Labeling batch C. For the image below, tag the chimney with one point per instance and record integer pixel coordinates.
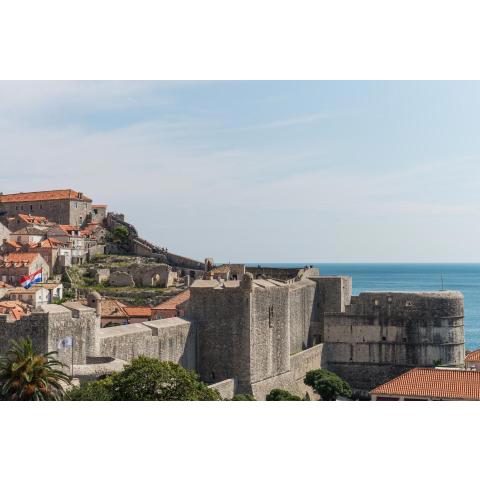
(80, 195)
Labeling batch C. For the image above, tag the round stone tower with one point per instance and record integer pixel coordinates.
(94, 300)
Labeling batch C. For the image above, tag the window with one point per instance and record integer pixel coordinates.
(270, 317)
(384, 339)
(31, 207)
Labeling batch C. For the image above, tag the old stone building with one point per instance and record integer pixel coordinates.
(4, 233)
(21, 220)
(140, 275)
(14, 266)
(66, 207)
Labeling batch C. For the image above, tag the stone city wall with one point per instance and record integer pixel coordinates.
(225, 388)
(270, 332)
(223, 331)
(170, 339)
(382, 334)
(302, 312)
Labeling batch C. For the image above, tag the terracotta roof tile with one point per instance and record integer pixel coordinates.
(17, 257)
(43, 196)
(174, 302)
(433, 383)
(473, 356)
(138, 311)
(33, 219)
(113, 308)
(15, 308)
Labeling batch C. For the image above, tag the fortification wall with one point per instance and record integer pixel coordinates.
(382, 334)
(47, 327)
(34, 327)
(223, 331)
(292, 381)
(285, 274)
(170, 339)
(270, 332)
(302, 312)
(225, 388)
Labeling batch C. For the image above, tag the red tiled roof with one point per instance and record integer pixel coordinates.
(174, 302)
(43, 196)
(32, 219)
(433, 383)
(16, 257)
(138, 311)
(69, 228)
(15, 308)
(473, 356)
(47, 243)
(113, 308)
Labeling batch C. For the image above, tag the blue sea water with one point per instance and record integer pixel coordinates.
(464, 277)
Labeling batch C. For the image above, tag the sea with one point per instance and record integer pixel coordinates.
(400, 277)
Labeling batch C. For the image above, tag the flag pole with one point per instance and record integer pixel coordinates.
(73, 340)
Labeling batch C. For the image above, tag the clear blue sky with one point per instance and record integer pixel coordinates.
(261, 171)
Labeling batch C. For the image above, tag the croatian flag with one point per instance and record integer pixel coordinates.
(28, 280)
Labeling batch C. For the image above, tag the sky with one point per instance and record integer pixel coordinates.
(266, 171)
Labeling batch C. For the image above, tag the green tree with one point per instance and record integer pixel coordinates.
(28, 375)
(99, 390)
(278, 394)
(120, 233)
(242, 397)
(147, 379)
(327, 384)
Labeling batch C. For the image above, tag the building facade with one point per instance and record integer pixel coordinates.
(66, 207)
(14, 266)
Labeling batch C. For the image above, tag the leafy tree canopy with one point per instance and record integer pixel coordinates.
(148, 379)
(278, 394)
(327, 384)
(99, 390)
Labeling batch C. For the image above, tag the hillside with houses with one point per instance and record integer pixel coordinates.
(58, 245)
